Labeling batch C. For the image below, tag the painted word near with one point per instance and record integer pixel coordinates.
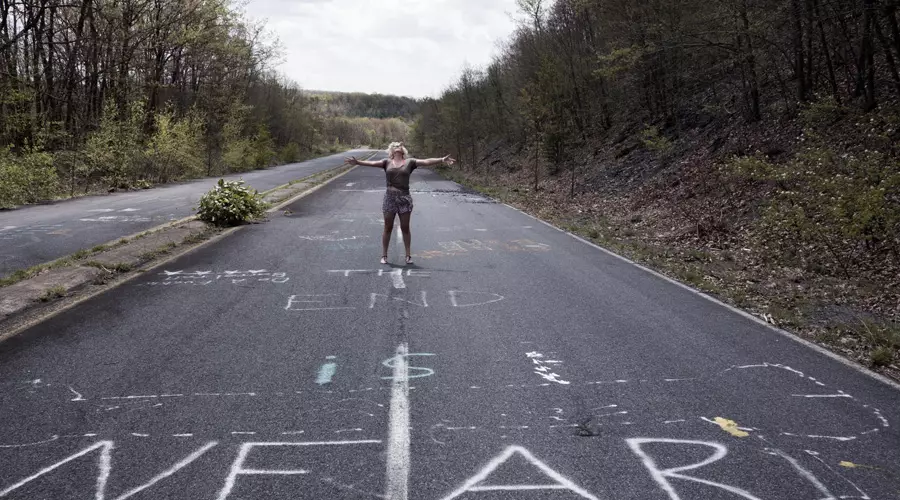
(243, 468)
(463, 247)
(205, 278)
(674, 468)
(335, 302)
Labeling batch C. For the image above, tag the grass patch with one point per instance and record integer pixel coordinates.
(882, 356)
(53, 293)
(80, 254)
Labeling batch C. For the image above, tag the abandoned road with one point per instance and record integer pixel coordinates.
(511, 361)
(36, 234)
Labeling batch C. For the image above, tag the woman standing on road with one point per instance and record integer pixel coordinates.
(397, 200)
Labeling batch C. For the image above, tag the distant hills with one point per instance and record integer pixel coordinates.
(361, 105)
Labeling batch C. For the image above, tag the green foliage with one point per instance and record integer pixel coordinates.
(290, 153)
(175, 150)
(831, 211)
(55, 292)
(263, 148)
(822, 113)
(114, 153)
(882, 356)
(237, 154)
(27, 178)
(654, 141)
(751, 167)
(230, 203)
(620, 60)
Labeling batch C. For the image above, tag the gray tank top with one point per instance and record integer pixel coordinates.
(398, 177)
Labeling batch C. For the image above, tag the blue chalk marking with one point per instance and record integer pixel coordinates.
(326, 372)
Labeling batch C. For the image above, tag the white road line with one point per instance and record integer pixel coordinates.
(398, 431)
(815, 347)
(397, 278)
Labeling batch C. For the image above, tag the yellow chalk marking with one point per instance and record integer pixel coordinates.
(731, 427)
(851, 465)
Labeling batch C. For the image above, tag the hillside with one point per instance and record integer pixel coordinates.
(361, 105)
(737, 148)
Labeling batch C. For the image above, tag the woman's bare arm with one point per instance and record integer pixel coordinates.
(434, 161)
(353, 161)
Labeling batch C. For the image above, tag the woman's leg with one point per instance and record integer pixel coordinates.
(388, 229)
(404, 226)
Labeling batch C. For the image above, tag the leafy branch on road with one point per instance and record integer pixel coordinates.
(230, 203)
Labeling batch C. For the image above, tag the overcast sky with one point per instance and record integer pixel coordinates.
(403, 47)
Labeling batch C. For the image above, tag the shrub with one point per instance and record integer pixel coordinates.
(27, 178)
(290, 153)
(655, 142)
(751, 167)
(822, 113)
(175, 151)
(114, 153)
(230, 203)
(834, 212)
(238, 148)
(263, 148)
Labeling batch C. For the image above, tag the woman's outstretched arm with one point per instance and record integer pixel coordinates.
(353, 161)
(434, 161)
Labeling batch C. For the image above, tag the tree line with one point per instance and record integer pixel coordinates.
(98, 94)
(582, 84)
(360, 105)
(581, 69)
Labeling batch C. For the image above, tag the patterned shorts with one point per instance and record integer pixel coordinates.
(396, 202)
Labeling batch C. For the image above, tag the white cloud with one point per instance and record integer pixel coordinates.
(403, 47)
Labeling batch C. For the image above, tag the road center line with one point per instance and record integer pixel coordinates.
(398, 430)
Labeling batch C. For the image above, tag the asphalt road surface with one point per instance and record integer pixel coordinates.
(512, 361)
(40, 233)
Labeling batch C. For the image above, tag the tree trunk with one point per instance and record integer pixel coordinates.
(70, 67)
(797, 37)
(832, 80)
(750, 62)
(888, 56)
(867, 56)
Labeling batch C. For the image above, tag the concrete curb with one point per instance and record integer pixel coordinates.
(151, 247)
(309, 191)
(59, 282)
(64, 261)
(18, 327)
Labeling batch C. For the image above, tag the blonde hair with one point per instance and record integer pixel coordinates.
(396, 146)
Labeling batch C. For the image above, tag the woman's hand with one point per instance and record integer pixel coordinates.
(352, 160)
(448, 160)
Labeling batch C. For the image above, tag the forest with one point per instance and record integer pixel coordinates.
(747, 147)
(113, 94)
